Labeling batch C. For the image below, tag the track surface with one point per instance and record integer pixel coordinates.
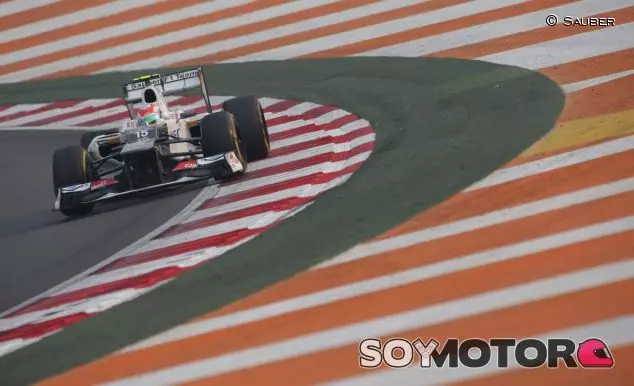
(41, 248)
(313, 149)
(546, 238)
(419, 162)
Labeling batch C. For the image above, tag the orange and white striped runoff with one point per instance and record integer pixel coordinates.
(541, 247)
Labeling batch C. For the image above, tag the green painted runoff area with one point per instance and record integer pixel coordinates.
(441, 125)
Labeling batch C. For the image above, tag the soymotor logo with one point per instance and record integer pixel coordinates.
(475, 353)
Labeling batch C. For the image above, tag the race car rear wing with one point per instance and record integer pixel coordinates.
(168, 84)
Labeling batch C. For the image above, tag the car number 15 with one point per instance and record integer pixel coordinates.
(142, 134)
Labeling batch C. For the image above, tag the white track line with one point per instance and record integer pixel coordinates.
(260, 220)
(181, 260)
(302, 191)
(385, 282)
(42, 26)
(307, 190)
(288, 126)
(266, 35)
(160, 40)
(20, 108)
(327, 167)
(301, 108)
(16, 344)
(189, 259)
(330, 41)
(492, 30)
(572, 87)
(256, 221)
(25, 120)
(500, 216)
(205, 194)
(348, 128)
(569, 49)
(377, 30)
(119, 110)
(264, 101)
(616, 332)
(16, 6)
(417, 318)
(89, 305)
(312, 152)
(555, 162)
(35, 116)
(80, 119)
(120, 29)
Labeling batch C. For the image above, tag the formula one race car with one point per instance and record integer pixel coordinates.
(157, 147)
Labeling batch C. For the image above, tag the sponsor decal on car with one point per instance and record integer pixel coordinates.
(210, 160)
(234, 162)
(186, 165)
(76, 188)
(94, 185)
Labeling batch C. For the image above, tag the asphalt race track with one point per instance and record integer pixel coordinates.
(438, 168)
(41, 248)
(433, 128)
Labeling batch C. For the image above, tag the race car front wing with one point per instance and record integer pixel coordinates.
(186, 172)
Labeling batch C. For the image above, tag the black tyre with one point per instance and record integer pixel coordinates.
(252, 129)
(218, 134)
(88, 136)
(70, 168)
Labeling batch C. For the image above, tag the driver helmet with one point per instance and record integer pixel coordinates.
(149, 113)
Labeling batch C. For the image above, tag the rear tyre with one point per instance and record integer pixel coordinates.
(218, 135)
(252, 128)
(70, 168)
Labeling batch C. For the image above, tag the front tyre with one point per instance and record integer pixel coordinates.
(88, 136)
(252, 128)
(218, 135)
(70, 167)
